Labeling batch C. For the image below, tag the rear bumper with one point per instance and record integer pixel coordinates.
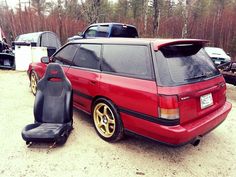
(179, 134)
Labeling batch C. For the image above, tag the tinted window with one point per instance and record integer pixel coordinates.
(181, 64)
(66, 55)
(103, 31)
(88, 56)
(91, 32)
(123, 31)
(127, 60)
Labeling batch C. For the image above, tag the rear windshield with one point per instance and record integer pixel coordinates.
(124, 31)
(183, 64)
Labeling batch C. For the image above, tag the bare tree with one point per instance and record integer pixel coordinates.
(187, 10)
(156, 16)
(90, 10)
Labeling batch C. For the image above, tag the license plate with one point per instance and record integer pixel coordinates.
(217, 62)
(206, 101)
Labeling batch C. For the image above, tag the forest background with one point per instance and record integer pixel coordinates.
(214, 20)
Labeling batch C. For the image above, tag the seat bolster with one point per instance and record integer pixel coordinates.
(25, 130)
(69, 106)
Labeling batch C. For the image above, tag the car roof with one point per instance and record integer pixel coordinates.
(157, 43)
(112, 23)
(32, 37)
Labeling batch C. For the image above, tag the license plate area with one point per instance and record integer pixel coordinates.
(206, 101)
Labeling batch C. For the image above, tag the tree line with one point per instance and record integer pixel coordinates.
(214, 20)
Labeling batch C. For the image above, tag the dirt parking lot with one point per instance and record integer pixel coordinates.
(85, 154)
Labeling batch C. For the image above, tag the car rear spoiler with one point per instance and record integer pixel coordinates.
(162, 43)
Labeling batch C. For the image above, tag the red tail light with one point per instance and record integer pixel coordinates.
(168, 107)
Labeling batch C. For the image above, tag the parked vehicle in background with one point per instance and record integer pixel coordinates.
(107, 30)
(166, 90)
(217, 55)
(31, 47)
(7, 60)
(228, 70)
(46, 39)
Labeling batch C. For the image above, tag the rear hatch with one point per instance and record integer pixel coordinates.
(185, 73)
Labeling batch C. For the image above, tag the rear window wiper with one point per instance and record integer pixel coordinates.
(196, 77)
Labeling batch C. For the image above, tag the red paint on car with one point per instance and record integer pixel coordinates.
(176, 95)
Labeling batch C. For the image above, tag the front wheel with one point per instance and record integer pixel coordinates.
(33, 82)
(107, 121)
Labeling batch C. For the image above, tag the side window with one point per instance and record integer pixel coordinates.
(103, 31)
(124, 31)
(88, 56)
(66, 55)
(91, 32)
(127, 60)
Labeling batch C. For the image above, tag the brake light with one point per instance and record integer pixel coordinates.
(168, 107)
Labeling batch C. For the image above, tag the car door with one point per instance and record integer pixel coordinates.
(84, 75)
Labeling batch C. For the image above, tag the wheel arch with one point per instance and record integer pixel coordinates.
(30, 72)
(103, 97)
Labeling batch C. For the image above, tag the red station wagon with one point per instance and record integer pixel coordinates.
(167, 90)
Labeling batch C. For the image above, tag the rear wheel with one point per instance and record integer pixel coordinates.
(107, 121)
(33, 82)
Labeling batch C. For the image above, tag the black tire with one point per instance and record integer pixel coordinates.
(33, 82)
(108, 125)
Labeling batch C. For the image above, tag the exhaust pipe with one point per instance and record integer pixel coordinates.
(196, 141)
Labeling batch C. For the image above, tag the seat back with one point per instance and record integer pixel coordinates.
(53, 100)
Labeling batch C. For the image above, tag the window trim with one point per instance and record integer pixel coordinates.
(86, 69)
(128, 76)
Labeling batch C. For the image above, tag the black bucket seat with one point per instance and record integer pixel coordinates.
(53, 109)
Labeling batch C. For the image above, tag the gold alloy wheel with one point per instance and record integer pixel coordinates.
(33, 83)
(104, 120)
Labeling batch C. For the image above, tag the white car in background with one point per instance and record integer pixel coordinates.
(217, 55)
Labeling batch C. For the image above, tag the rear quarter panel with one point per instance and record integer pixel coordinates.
(131, 94)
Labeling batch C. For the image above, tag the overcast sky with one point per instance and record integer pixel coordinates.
(14, 3)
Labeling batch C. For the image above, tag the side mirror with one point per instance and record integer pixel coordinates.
(45, 60)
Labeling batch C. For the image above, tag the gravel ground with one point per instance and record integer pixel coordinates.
(85, 154)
